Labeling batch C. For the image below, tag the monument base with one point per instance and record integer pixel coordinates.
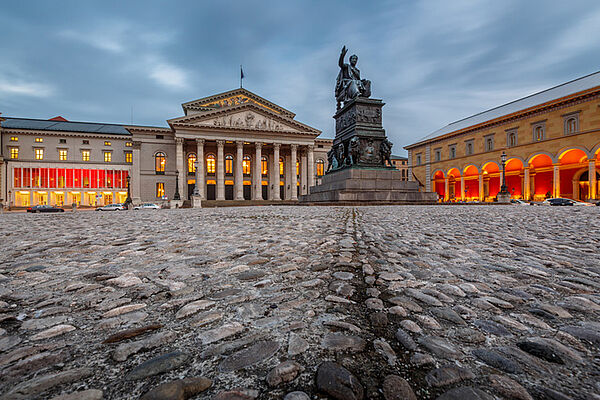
(196, 201)
(355, 185)
(503, 198)
(175, 203)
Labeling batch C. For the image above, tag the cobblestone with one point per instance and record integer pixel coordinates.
(446, 302)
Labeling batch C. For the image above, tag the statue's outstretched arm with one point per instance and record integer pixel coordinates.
(342, 55)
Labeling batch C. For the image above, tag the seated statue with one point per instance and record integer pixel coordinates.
(348, 84)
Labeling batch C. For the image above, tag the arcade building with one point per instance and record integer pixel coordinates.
(551, 140)
(234, 146)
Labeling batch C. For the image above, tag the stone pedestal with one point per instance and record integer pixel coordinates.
(503, 198)
(175, 203)
(196, 201)
(356, 185)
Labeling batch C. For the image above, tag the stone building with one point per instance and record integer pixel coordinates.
(401, 163)
(551, 140)
(236, 145)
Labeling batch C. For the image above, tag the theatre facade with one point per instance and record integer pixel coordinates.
(551, 140)
(234, 146)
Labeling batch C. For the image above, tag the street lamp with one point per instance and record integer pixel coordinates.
(196, 188)
(176, 196)
(503, 188)
(128, 200)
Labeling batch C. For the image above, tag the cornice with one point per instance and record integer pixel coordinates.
(66, 133)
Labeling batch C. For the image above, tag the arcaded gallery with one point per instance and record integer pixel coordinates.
(551, 142)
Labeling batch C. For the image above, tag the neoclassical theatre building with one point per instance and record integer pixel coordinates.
(551, 140)
(234, 146)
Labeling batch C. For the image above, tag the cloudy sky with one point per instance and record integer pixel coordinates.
(432, 62)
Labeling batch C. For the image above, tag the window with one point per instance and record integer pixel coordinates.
(107, 143)
(489, 143)
(85, 155)
(128, 144)
(418, 162)
(62, 141)
(39, 154)
(281, 167)
(14, 139)
(39, 140)
(246, 165)
(160, 162)
(228, 164)
(160, 136)
(14, 153)
(160, 189)
(191, 167)
(469, 147)
(539, 132)
(437, 155)
(297, 167)
(511, 138)
(107, 156)
(128, 157)
(86, 142)
(264, 166)
(452, 151)
(211, 164)
(320, 168)
(62, 155)
(571, 124)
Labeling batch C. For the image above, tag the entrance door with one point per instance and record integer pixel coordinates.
(228, 192)
(247, 192)
(282, 192)
(108, 198)
(211, 192)
(265, 190)
(191, 187)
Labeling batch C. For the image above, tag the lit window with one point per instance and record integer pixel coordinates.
(160, 189)
(297, 167)
(39, 154)
(107, 156)
(62, 155)
(246, 164)
(107, 143)
(191, 163)
(128, 144)
(85, 155)
(229, 164)
(14, 139)
(211, 164)
(14, 153)
(160, 161)
(320, 168)
(264, 166)
(128, 158)
(281, 166)
(39, 140)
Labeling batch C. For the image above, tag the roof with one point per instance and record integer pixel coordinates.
(393, 157)
(46, 125)
(566, 89)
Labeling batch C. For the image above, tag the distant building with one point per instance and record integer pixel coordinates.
(234, 145)
(551, 140)
(401, 163)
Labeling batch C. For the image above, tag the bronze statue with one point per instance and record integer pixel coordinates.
(385, 151)
(354, 150)
(331, 160)
(348, 84)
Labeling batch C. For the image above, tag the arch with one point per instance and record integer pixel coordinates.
(514, 164)
(453, 172)
(595, 151)
(320, 167)
(228, 164)
(160, 162)
(568, 153)
(438, 182)
(490, 167)
(471, 170)
(247, 165)
(191, 163)
(538, 154)
(438, 174)
(211, 163)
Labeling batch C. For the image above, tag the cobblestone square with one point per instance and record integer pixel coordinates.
(395, 302)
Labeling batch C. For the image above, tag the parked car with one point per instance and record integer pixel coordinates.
(519, 202)
(558, 201)
(111, 207)
(147, 206)
(44, 208)
(582, 203)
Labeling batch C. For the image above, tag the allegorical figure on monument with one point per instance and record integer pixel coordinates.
(385, 151)
(348, 84)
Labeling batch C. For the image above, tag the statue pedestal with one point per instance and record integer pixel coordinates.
(175, 203)
(196, 201)
(356, 185)
(503, 198)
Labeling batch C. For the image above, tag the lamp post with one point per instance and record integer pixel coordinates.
(128, 200)
(196, 189)
(503, 188)
(177, 196)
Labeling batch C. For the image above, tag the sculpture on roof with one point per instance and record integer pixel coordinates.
(348, 84)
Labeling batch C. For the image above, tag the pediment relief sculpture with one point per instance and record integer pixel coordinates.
(248, 120)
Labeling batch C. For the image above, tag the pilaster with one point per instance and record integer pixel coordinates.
(275, 195)
(239, 173)
(220, 170)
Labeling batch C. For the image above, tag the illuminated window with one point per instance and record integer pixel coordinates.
(39, 140)
(228, 164)
(160, 161)
(264, 166)
(85, 155)
(128, 158)
(39, 154)
(191, 163)
(62, 155)
(160, 189)
(14, 153)
(107, 143)
(14, 139)
(297, 167)
(320, 168)
(107, 156)
(128, 144)
(246, 164)
(211, 164)
(281, 167)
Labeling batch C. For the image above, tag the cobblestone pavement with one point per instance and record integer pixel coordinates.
(302, 302)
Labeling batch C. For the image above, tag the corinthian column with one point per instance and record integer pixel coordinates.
(294, 180)
(239, 173)
(200, 184)
(258, 172)
(220, 170)
(181, 166)
(311, 167)
(275, 179)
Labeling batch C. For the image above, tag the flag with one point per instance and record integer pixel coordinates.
(241, 73)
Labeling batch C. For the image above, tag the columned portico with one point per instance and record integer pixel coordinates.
(220, 170)
(200, 177)
(257, 177)
(275, 194)
(294, 177)
(239, 174)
